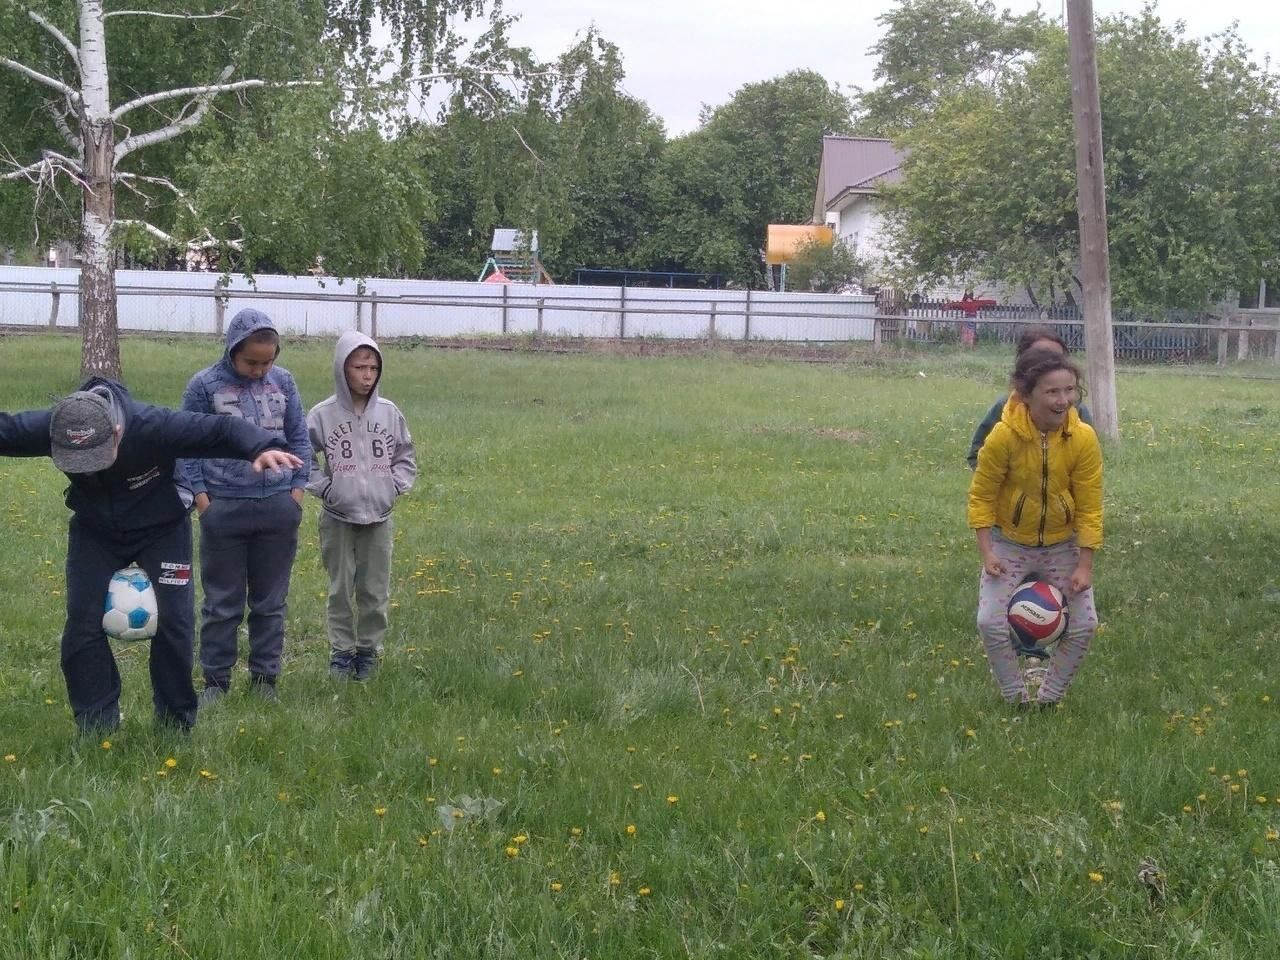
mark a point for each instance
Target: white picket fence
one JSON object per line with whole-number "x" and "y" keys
{"x": 179, "y": 302}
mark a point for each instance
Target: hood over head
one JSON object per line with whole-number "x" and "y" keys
{"x": 246, "y": 322}
{"x": 348, "y": 343}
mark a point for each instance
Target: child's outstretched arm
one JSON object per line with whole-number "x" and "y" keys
{"x": 25, "y": 434}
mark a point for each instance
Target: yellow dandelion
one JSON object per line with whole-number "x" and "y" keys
{"x": 1242, "y": 773}
{"x": 970, "y": 732}
{"x": 379, "y": 811}
{"x": 820, "y": 816}
{"x": 48, "y": 701}
{"x": 423, "y": 841}
{"x": 1186, "y": 808}
{"x": 839, "y": 716}
{"x": 1095, "y": 876}
{"x": 208, "y": 775}
{"x": 497, "y": 771}
{"x": 643, "y": 892}
{"x": 432, "y": 761}
{"x": 912, "y": 695}
{"x": 1235, "y": 788}
{"x": 10, "y": 758}
{"x": 839, "y": 905}
{"x": 106, "y": 744}
{"x": 283, "y": 796}
{"x": 753, "y": 757}
{"x": 1259, "y": 799}
{"x": 513, "y": 851}
{"x": 631, "y": 829}
{"x": 631, "y": 749}
{"x": 171, "y": 763}
{"x": 1273, "y": 834}
{"x": 672, "y": 799}
{"x": 615, "y": 878}
{"x": 520, "y": 839}
{"x": 858, "y": 888}
{"x": 556, "y": 886}
{"x": 575, "y": 831}
{"x": 924, "y": 829}
{"x": 1266, "y": 698}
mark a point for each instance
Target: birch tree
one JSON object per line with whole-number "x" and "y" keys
{"x": 90, "y": 88}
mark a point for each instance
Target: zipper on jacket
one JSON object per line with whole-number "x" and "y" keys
{"x": 1017, "y": 510}
{"x": 1044, "y": 487}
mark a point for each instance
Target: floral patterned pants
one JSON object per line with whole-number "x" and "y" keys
{"x": 1054, "y": 564}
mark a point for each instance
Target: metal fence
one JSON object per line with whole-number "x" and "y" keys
{"x": 1176, "y": 337}
{"x": 179, "y": 302}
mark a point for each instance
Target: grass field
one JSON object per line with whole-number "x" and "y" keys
{"x": 682, "y": 663}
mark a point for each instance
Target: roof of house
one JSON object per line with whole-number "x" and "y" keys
{"x": 854, "y": 163}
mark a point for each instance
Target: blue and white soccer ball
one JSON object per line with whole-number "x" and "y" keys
{"x": 130, "y": 610}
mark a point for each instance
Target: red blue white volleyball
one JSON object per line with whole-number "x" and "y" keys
{"x": 130, "y": 609}
{"x": 1037, "y": 615}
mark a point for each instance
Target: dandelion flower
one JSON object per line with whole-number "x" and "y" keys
{"x": 422, "y": 841}
{"x": 432, "y": 761}
{"x": 575, "y": 831}
{"x": 615, "y": 878}
{"x": 1095, "y": 876}
{"x": 673, "y": 799}
{"x": 631, "y": 829}
{"x": 820, "y": 816}
{"x": 106, "y": 744}
{"x": 513, "y": 852}
{"x": 839, "y": 905}
{"x": 379, "y": 811}
{"x": 643, "y": 892}
{"x": 1273, "y": 834}
{"x": 171, "y": 763}
{"x": 556, "y": 886}
{"x": 520, "y": 839}
{"x": 10, "y": 758}
{"x": 857, "y": 888}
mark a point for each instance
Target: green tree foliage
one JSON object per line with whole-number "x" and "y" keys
{"x": 825, "y": 267}
{"x": 569, "y": 155}
{"x": 1190, "y": 136}
{"x": 320, "y": 47}
{"x": 934, "y": 49}
{"x": 753, "y": 162}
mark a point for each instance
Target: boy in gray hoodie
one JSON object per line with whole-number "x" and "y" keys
{"x": 368, "y": 462}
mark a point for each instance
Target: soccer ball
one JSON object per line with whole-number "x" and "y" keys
{"x": 130, "y": 609}
{"x": 1037, "y": 615}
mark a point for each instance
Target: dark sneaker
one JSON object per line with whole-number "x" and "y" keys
{"x": 264, "y": 688}
{"x": 210, "y": 695}
{"x": 366, "y": 666}
{"x": 342, "y": 666}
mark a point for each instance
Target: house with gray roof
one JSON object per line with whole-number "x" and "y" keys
{"x": 850, "y": 175}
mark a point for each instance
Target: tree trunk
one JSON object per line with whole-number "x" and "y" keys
{"x": 100, "y": 349}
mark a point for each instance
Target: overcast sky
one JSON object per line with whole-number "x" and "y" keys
{"x": 680, "y": 54}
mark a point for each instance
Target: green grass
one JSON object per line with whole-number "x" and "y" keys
{"x": 730, "y": 604}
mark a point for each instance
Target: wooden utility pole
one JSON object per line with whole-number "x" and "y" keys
{"x": 1091, "y": 204}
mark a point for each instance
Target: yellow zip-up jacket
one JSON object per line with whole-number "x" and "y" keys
{"x": 1039, "y": 489}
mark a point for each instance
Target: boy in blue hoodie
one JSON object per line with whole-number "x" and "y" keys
{"x": 248, "y": 522}
{"x": 368, "y": 464}
{"x": 118, "y": 456}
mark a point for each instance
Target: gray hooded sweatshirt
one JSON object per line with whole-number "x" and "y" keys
{"x": 368, "y": 458}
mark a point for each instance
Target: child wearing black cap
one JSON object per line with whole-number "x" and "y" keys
{"x": 119, "y": 457}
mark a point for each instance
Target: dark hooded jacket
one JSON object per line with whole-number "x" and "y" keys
{"x": 137, "y": 491}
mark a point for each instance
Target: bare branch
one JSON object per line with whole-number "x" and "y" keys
{"x": 150, "y": 228}
{"x": 59, "y": 36}
{"x": 494, "y": 100}
{"x": 60, "y": 121}
{"x": 172, "y": 16}
{"x": 39, "y": 77}
{"x": 208, "y": 90}
{"x": 130, "y": 178}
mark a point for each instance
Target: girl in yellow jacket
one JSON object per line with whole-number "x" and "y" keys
{"x": 1035, "y": 503}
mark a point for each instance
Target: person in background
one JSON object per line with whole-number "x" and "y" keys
{"x": 363, "y": 463}
{"x": 1032, "y": 338}
{"x": 248, "y": 521}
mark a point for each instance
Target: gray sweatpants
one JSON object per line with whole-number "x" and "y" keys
{"x": 246, "y": 553}
{"x": 357, "y": 557}
{"x": 1054, "y": 564}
